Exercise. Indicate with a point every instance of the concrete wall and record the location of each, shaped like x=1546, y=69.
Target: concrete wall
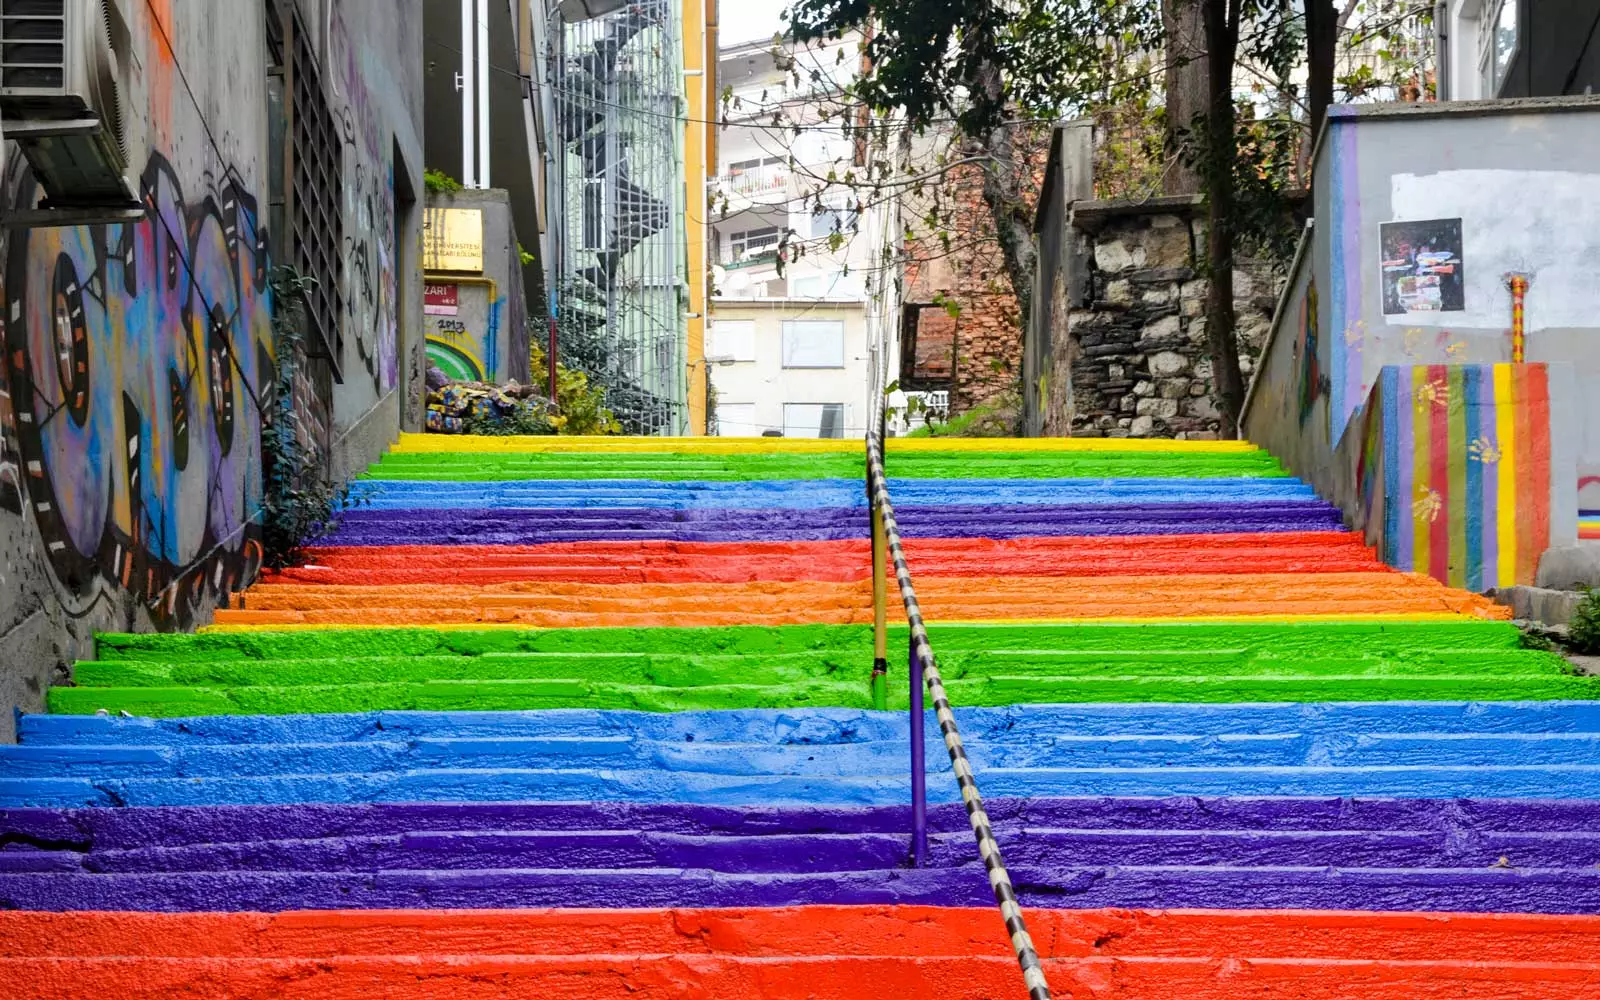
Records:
x=751, y=395
x=486, y=339
x=1522, y=178
x=515, y=155
x=373, y=72
x=130, y=467
x=1517, y=175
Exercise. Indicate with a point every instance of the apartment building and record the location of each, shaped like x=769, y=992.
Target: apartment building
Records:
x=800, y=287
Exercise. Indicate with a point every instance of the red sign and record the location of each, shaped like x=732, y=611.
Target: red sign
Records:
x=440, y=300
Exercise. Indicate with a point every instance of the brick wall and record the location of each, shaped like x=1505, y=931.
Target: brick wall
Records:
x=987, y=331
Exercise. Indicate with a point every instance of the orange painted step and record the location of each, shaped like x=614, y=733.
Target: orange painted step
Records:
x=950, y=599
x=841, y=561
x=817, y=953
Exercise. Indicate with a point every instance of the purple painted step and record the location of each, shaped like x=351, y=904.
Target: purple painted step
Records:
x=1315, y=853
x=512, y=527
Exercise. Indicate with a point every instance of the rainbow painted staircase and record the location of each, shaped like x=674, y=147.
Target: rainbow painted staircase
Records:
x=558, y=718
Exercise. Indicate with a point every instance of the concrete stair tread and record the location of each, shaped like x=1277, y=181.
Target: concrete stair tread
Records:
x=781, y=953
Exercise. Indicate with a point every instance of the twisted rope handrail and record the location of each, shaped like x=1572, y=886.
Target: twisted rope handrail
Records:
x=999, y=879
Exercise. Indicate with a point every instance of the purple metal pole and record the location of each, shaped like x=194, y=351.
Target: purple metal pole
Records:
x=919, y=768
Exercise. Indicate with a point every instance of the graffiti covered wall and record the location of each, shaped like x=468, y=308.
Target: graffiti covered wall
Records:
x=138, y=357
x=131, y=384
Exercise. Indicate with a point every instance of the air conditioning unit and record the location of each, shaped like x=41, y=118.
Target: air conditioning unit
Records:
x=63, y=100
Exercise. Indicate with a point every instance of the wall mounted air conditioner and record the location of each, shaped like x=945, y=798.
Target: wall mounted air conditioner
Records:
x=63, y=99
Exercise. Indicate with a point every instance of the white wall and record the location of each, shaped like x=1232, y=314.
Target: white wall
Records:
x=745, y=348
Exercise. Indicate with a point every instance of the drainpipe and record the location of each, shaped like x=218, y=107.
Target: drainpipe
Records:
x=1518, y=283
x=483, y=93
x=469, y=162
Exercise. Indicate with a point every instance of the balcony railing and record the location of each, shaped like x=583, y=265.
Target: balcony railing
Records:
x=754, y=183
x=750, y=258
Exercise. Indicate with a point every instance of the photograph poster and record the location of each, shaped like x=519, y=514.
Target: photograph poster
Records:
x=1421, y=266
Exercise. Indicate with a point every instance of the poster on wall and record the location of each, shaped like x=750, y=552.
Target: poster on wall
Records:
x=1422, y=266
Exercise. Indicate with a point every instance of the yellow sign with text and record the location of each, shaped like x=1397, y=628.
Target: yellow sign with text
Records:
x=452, y=239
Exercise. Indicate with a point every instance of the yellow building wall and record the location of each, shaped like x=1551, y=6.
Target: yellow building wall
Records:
x=700, y=159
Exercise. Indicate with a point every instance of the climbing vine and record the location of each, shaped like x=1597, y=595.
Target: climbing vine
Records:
x=298, y=505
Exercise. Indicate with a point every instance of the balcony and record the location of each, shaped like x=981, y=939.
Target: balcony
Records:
x=769, y=179
x=767, y=184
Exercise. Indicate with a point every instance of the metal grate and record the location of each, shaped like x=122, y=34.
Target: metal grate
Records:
x=315, y=219
x=33, y=51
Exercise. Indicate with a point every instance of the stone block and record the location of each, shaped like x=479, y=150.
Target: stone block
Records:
x=1112, y=256
x=1167, y=247
x=1142, y=427
x=1198, y=389
x=1169, y=363
x=1119, y=292
x=1174, y=388
x=1193, y=291
x=1201, y=407
x=1143, y=388
x=1160, y=329
x=1161, y=276
x=1159, y=407
x=1198, y=330
x=1128, y=403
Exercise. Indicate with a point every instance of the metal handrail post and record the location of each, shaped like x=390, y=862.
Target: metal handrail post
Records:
x=880, y=611
x=919, y=763
x=927, y=672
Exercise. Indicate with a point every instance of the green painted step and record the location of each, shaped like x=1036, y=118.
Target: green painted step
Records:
x=473, y=467
x=665, y=669
x=512, y=695
x=696, y=670
x=1386, y=638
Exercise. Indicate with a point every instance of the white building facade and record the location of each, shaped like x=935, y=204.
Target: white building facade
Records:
x=803, y=294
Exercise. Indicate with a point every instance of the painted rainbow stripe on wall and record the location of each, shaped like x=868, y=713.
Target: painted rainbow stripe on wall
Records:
x=1465, y=458
x=558, y=718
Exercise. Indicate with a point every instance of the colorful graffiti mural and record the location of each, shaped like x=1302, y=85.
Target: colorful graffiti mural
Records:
x=135, y=359
x=371, y=288
x=1455, y=471
x=1312, y=384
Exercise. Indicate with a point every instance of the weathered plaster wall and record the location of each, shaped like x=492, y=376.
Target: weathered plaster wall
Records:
x=373, y=64
x=1521, y=177
x=487, y=336
x=137, y=356
x=1512, y=172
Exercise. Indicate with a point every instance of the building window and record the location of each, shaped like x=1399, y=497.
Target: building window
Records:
x=732, y=340
x=1497, y=43
x=813, y=420
x=750, y=243
x=737, y=420
x=813, y=344
x=832, y=220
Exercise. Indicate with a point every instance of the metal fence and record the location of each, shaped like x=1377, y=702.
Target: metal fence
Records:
x=622, y=273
